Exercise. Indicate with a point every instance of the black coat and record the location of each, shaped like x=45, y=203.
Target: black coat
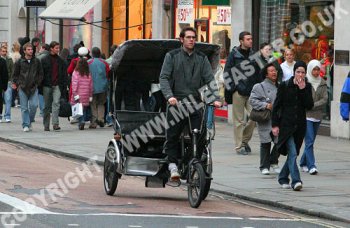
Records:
x=289, y=113
x=4, y=77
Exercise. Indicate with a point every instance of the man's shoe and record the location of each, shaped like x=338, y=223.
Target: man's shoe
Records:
x=313, y=171
x=7, y=120
x=285, y=186
x=46, y=128
x=241, y=151
x=265, y=172
x=92, y=126
x=247, y=148
x=304, y=169
x=81, y=127
x=174, y=175
x=26, y=129
x=276, y=168
x=56, y=127
x=101, y=123
x=298, y=186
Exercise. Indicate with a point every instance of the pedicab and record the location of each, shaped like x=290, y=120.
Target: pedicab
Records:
x=136, y=148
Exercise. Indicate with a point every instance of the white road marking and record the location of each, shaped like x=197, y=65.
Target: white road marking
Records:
x=11, y=225
x=134, y=226
x=282, y=219
x=191, y=226
x=25, y=207
x=73, y=224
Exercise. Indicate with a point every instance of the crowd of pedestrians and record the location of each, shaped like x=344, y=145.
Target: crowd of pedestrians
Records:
x=42, y=75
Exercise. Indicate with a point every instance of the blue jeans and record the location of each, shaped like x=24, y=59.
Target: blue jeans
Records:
x=28, y=107
x=84, y=116
x=308, y=158
x=41, y=104
x=210, y=117
x=290, y=166
x=8, y=101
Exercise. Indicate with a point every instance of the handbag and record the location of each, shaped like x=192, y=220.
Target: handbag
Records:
x=77, y=110
x=65, y=108
x=260, y=115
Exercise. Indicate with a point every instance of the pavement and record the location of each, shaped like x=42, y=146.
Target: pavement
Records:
x=326, y=195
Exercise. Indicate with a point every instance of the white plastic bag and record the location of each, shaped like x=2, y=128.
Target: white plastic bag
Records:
x=77, y=110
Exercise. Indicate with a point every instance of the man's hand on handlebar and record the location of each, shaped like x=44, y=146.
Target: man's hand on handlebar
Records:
x=217, y=104
x=172, y=101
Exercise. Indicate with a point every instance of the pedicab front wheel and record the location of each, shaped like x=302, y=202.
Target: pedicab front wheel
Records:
x=196, y=184
x=110, y=176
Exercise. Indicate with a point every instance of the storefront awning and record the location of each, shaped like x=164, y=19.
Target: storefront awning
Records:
x=68, y=9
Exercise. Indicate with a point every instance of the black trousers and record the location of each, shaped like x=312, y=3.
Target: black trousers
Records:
x=177, y=125
x=268, y=158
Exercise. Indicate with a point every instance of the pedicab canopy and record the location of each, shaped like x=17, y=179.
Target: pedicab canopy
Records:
x=143, y=59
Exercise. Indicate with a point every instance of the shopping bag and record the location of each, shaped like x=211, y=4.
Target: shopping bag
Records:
x=77, y=110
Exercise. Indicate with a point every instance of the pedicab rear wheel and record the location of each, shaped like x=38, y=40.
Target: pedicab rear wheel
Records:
x=110, y=176
x=206, y=188
x=196, y=184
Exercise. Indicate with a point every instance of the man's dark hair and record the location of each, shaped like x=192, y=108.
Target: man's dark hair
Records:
x=242, y=34
x=184, y=30
x=54, y=44
x=113, y=48
x=35, y=39
x=264, y=44
x=96, y=52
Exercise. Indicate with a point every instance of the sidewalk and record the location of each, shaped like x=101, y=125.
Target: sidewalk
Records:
x=326, y=195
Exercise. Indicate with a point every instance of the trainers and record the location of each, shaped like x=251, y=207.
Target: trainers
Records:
x=276, y=169
x=241, y=151
x=285, y=186
x=174, y=175
x=46, y=129
x=7, y=120
x=265, y=172
x=304, y=169
x=313, y=171
x=56, y=127
x=26, y=129
x=298, y=186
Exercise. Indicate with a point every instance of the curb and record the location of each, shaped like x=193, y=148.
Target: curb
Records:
x=240, y=196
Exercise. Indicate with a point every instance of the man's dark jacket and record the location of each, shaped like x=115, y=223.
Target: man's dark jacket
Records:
x=28, y=75
x=62, y=73
x=178, y=80
x=289, y=113
x=3, y=75
x=244, y=86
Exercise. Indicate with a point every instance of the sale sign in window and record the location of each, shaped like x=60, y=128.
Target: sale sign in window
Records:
x=185, y=11
x=224, y=15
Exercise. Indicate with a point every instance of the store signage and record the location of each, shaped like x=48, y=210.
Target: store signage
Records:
x=35, y=3
x=341, y=57
x=68, y=9
x=215, y=2
x=185, y=11
x=223, y=15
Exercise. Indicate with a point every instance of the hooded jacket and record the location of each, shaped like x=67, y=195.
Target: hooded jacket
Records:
x=345, y=99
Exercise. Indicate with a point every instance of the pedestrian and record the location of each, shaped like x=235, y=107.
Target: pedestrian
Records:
x=313, y=116
x=44, y=50
x=27, y=76
x=36, y=45
x=3, y=82
x=82, y=87
x=8, y=93
x=288, y=64
x=293, y=98
x=345, y=99
x=239, y=94
x=265, y=56
x=185, y=70
x=262, y=97
x=54, y=85
x=99, y=70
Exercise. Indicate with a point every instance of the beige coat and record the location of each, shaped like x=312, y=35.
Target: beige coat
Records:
x=320, y=97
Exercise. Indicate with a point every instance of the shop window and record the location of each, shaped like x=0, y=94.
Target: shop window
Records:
x=119, y=21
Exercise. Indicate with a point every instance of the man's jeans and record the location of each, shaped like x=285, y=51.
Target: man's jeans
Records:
x=52, y=97
x=28, y=107
x=8, y=101
x=290, y=166
x=308, y=158
x=41, y=104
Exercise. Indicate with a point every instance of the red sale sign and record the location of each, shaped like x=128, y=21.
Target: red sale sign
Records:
x=185, y=12
x=223, y=15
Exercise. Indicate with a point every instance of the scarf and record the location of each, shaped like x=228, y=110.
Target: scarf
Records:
x=314, y=81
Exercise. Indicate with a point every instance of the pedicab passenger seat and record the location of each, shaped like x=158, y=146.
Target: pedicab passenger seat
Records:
x=147, y=129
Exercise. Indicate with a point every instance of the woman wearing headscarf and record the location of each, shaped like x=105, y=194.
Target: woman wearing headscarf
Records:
x=293, y=98
x=313, y=116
